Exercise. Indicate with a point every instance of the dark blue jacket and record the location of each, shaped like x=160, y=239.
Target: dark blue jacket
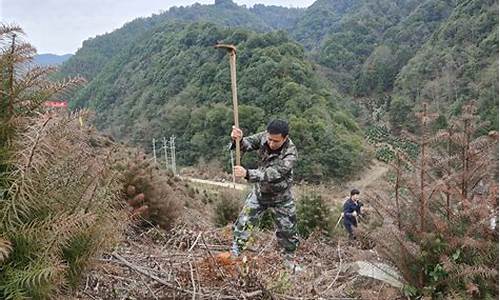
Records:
x=351, y=206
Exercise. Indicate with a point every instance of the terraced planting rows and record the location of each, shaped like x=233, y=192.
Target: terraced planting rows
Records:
x=386, y=143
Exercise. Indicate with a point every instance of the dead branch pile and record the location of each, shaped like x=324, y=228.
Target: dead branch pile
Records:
x=190, y=262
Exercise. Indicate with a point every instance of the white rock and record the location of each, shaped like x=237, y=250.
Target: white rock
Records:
x=379, y=271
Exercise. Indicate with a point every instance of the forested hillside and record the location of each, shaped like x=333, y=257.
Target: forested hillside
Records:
x=369, y=54
x=458, y=63
x=95, y=52
x=332, y=66
x=177, y=83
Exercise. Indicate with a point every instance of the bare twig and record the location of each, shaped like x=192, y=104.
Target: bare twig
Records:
x=194, y=243
x=266, y=246
x=213, y=258
x=192, y=280
x=308, y=298
x=149, y=288
x=87, y=294
x=140, y=270
x=338, y=271
x=171, y=286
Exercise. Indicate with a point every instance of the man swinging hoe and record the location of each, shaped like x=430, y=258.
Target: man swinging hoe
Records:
x=272, y=179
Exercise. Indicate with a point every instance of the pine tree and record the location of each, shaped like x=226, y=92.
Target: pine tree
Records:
x=445, y=239
x=58, y=190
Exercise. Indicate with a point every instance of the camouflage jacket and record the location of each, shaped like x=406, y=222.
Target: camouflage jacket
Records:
x=274, y=175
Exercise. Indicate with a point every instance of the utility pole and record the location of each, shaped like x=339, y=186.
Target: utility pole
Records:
x=165, y=151
x=154, y=150
x=172, y=154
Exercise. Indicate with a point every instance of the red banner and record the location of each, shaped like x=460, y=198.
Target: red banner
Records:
x=56, y=103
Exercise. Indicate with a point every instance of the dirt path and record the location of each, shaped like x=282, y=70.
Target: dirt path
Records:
x=375, y=172
x=231, y=185
x=368, y=180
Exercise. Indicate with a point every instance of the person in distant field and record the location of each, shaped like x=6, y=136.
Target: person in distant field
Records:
x=272, y=187
x=352, y=209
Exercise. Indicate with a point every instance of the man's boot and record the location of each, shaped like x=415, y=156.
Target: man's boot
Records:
x=290, y=262
x=235, y=250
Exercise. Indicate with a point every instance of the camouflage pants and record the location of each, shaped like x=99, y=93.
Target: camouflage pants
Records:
x=285, y=220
